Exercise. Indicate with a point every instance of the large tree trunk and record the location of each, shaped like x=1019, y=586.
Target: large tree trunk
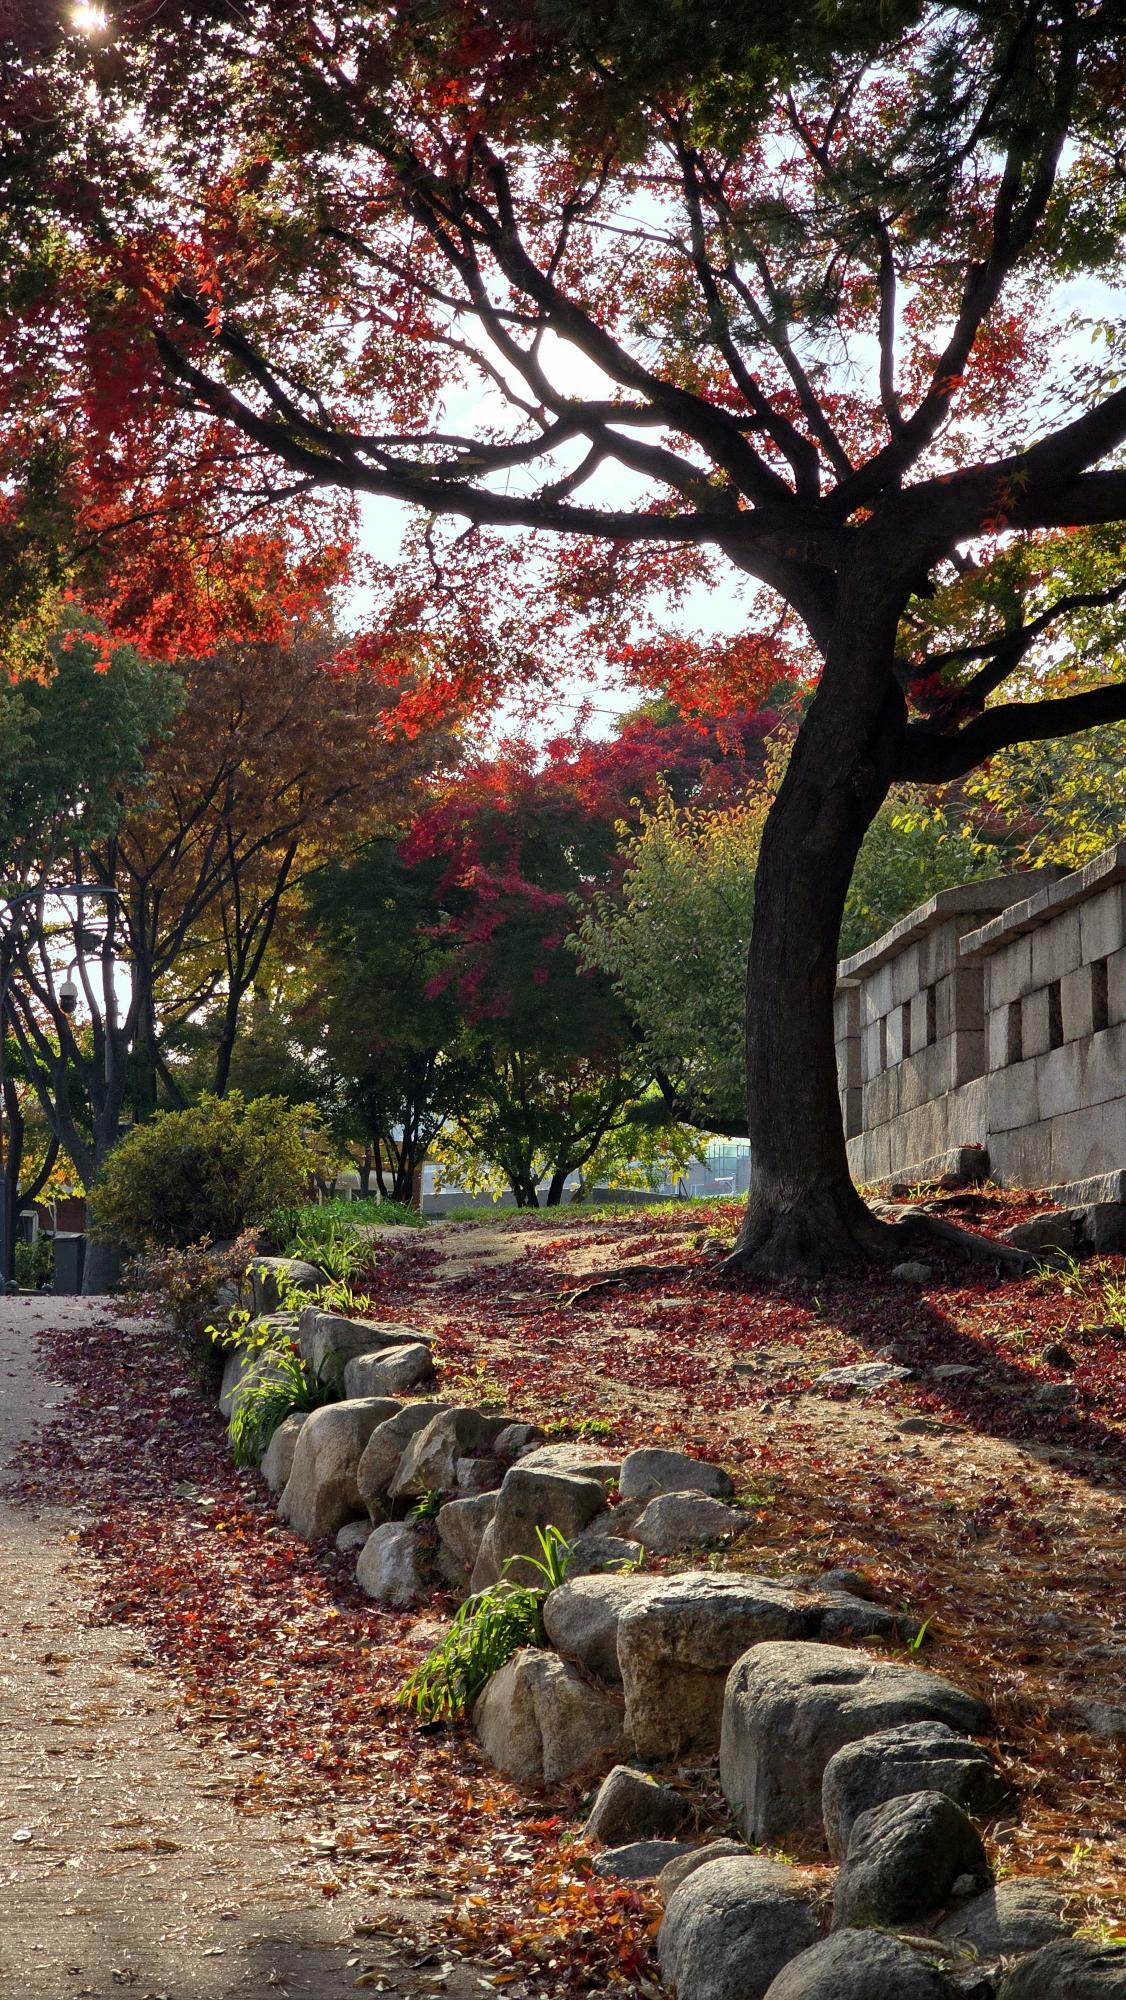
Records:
x=804, y=1216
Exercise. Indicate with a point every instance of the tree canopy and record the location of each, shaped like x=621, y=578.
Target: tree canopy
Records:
x=784, y=294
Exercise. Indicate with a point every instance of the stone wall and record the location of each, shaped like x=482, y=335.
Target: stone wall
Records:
x=994, y=1016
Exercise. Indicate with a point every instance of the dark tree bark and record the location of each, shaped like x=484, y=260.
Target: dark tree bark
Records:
x=804, y=1215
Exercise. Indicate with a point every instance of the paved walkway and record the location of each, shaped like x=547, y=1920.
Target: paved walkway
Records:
x=121, y=1866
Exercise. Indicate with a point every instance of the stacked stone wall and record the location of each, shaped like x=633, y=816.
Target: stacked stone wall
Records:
x=993, y=1016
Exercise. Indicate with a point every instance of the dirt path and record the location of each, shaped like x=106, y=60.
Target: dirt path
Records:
x=121, y=1866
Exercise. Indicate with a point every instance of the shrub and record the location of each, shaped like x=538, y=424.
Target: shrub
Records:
x=189, y=1285
x=487, y=1630
x=207, y=1172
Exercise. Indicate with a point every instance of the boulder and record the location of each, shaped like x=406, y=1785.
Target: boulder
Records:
x=581, y=1618
x=390, y=1371
x=353, y=1535
x=429, y=1462
x=268, y=1275
x=788, y=1708
x=462, y=1524
x=1017, y=1916
x=632, y=1806
x=646, y=1473
x=679, y=1870
x=592, y=1553
x=860, y=1965
x=532, y=1499
x=677, y=1644
x=585, y=1457
x=922, y=1757
x=330, y=1340
x=479, y=1475
x=731, y=1927
x=392, y=1566
x=903, y=1860
x=516, y=1441
x=683, y=1520
x=1075, y=1969
x=538, y=1720
x=1060, y=1229
x=385, y=1448
x=277, y=1459
x=322, y=1491
x=640, y=1861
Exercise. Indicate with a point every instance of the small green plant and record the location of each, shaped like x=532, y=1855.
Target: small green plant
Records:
x=478, y=1387
x=488, y=1629
x=554, y=1560
x=915, y=1645
x=1062, y=1272
x=586, y=1427
x=338, y=1250
x=427, y=1505
x=333, y=1296
x=284, y=1383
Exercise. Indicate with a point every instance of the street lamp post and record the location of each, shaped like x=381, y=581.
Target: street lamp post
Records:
x=14, y=901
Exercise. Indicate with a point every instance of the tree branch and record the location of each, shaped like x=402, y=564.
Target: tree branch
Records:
x=927, y=757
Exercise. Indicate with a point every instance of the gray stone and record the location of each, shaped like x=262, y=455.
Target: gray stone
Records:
x=1061, y=1230
x=683, y=1520
x=1103, y=1719
x=923, y=1756
x=429, y=1462
x=731, y=1927
x=353, y=1535
x=591, y=1553
x=863, y=1375
x=392, y=1566
x=516, y=1441
x=532, y=1499
x=322, y=1491
x=277, y=1459
x=539, y=1721
x=632, y=1806
x=1077, y=1969
x=646, y=1473
x=479, y=1475
x=640, y=1861
x=677, y=1643
x=330, y=1340
x=462, y=1524
x=1017, y=1916
x=860, y=1965
x=911, y=1272
x=788, y=1708
x=584, y=1457
x=385, y=1449
x=1097, y=1189
x=581, y=1618
x=268, y=1274
x=903, y=1860
x=390, y=1371
x=678, y=1871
